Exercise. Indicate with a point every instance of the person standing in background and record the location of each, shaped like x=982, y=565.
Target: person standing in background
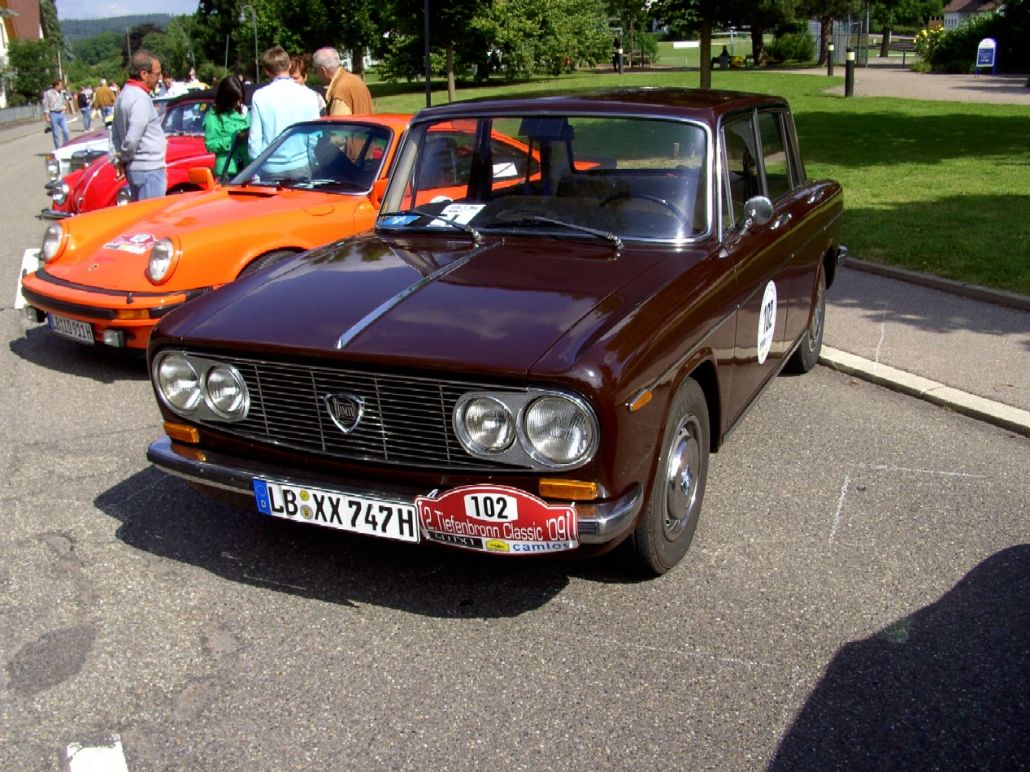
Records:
x=82, y=100
x=103, y=99
x=278, y=105
x=346, y=93
x=223, y=123
x=136, y=135
x=299, y=73
x=53, y=112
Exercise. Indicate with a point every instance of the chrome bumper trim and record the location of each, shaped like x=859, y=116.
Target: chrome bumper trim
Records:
x=608, y=520
x=53, y=214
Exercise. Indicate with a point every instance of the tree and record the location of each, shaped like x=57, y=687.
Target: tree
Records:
x=32, y=67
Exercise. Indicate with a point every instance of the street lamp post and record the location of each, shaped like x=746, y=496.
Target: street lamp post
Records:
x=253, y=19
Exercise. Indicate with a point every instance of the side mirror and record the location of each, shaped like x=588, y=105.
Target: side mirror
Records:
x=758, y=210
x=378, y=192
x=202, y=178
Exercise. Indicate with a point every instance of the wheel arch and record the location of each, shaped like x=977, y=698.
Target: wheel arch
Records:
x=706, y=376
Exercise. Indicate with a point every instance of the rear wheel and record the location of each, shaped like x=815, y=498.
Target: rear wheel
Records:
x=807, y=354
x=265, y=260
x=674, y=506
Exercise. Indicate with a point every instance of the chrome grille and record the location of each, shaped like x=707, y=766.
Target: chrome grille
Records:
x=406, y=422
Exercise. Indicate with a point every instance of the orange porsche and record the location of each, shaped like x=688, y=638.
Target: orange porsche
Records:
x=108, y=276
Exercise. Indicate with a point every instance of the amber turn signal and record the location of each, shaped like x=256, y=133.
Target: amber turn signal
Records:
x=640, y=399
x=132, y=313
x=181, y=433
x=570, y=490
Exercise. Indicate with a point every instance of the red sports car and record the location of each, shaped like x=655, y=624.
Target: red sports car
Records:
x=96, y=186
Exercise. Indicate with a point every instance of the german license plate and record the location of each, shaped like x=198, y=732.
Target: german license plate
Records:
x=344, y=512
x=71, y=328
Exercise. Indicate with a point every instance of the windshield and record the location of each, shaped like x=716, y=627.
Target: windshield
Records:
x=634, y=178
x=184, y=119
x=340, y=157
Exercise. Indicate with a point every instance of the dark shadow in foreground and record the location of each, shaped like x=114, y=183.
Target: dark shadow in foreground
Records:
x=947, y=688
x=164, y=516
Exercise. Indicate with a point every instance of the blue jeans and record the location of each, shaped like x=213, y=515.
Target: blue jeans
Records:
x=58, y=123
x=87, y=116
x=146, y=184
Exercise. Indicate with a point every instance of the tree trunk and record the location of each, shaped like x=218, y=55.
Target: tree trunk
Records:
x=706, y=52
x=825, y=36
x=758, y=45
x=885, y=42
x=450, y=72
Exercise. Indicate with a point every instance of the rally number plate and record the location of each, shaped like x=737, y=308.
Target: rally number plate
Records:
x=71, y=328
x=344, y=512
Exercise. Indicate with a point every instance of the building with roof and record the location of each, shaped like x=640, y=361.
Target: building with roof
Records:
x=19, y=20
x=958, y=11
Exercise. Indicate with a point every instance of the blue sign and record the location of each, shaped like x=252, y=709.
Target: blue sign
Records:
x=985, y=53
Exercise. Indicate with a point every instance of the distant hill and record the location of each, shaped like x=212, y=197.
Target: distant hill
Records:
x=80, y=29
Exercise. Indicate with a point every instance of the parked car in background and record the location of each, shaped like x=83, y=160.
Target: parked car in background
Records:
x=81, y=151
x=108, y=276
x=531, y=354
x=97, y=186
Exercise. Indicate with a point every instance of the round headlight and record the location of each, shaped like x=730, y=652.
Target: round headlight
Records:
x=59, y=193
x=488, y=425
x=560, y=431
x=123, y=196
x=162, y=259
x=226, y=392
x=53, y=168
x=178, y=383
x=52, y=241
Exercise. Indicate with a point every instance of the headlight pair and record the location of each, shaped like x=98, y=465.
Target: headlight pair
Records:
x=201, y=388
x=543, y=429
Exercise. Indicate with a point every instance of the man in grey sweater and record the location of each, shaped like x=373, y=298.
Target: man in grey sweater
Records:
x=137, y=137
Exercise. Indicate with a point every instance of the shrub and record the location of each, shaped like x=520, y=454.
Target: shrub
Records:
x=955, y=50
x=792, y=47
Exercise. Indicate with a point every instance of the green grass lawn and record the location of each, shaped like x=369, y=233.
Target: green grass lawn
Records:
x=938, y=187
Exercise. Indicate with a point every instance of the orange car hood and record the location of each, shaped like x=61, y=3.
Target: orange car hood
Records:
x=109, y=250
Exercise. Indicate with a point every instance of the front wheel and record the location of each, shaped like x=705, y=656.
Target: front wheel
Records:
x=807, y=354
x=674, y=506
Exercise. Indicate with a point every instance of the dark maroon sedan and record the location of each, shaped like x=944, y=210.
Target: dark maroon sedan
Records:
x=540, y=344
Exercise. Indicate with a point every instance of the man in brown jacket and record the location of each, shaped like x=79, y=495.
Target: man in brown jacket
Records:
x=103, y=99
x=346, y=93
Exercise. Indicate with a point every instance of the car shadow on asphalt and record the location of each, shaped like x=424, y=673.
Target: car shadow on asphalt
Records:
x=164, y=516
x=103, y=364
x=945, y=688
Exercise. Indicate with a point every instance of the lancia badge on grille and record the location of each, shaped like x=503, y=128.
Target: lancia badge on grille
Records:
x=346, y=410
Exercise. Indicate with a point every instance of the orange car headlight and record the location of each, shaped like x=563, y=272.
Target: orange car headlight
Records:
x=54, y=241
x=163, y=257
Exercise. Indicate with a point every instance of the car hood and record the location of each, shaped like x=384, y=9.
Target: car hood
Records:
x=112, y=245
x=498, y=307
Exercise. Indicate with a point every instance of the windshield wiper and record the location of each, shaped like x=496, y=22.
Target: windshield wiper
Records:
x=536, y=219
x=463, y=227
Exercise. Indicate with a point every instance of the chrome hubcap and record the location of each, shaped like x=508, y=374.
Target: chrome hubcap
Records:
x=681, y=477
x=815, y=329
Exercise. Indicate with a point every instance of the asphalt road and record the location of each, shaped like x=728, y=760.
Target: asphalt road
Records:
x=855, y=598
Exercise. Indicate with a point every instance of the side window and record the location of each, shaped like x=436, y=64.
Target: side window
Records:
x=742, y=177
x=774, y=155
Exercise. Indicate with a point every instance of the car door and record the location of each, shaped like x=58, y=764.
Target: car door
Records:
x=761, y=265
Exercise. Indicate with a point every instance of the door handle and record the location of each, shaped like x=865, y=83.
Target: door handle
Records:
x=780, y=221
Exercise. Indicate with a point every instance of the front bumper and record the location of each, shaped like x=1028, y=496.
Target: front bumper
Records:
x=599, y=522
x=54, y=214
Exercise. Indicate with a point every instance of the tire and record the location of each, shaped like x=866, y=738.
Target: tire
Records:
x=807, y=354
x=265, y=260
x=674, y=506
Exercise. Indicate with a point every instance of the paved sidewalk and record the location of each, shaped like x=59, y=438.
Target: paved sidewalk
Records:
x=963, y=353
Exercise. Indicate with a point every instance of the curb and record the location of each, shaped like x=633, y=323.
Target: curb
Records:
x=1005, y=416
x=973, y=291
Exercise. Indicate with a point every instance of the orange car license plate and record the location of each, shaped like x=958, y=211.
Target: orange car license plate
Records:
x=71, y=328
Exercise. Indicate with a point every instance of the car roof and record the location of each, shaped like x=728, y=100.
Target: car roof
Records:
x=699, y=104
